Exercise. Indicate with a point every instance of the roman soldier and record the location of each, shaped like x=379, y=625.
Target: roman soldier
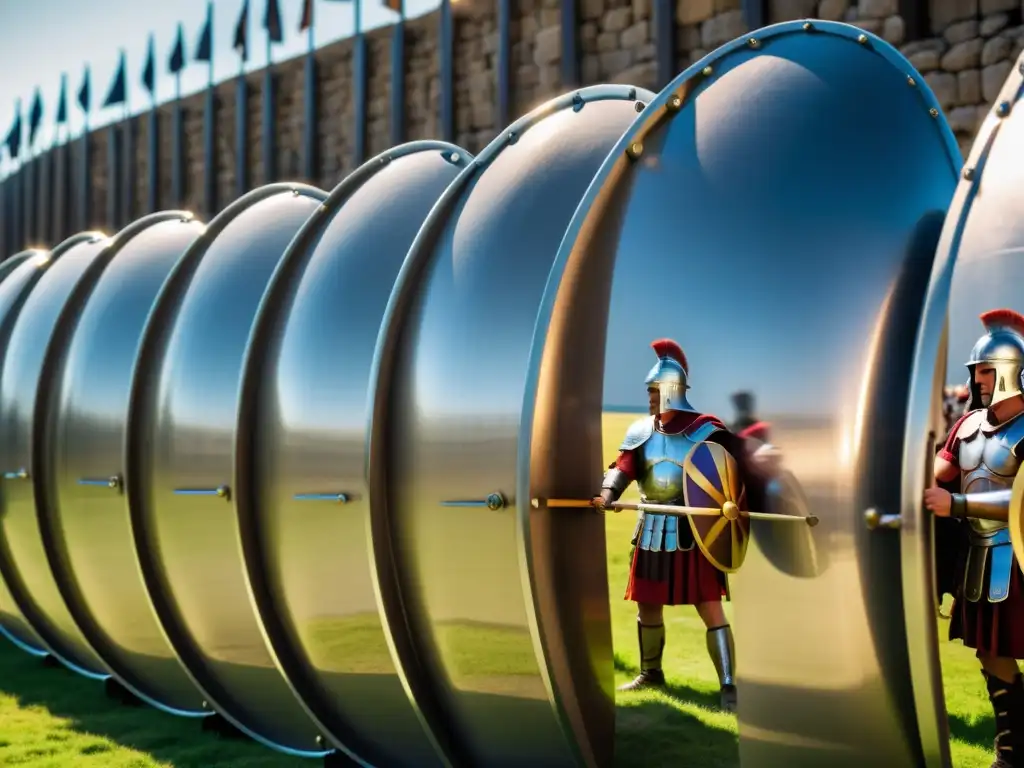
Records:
x=975, y=470
x=666, y=566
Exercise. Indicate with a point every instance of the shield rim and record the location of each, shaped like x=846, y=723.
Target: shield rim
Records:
x=610, y=177
x=287, y=274
x=148, y=357
x=918, y=571
x=742, y=522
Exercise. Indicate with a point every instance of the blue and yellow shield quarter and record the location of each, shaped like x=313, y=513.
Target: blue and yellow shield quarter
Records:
x=713, y=481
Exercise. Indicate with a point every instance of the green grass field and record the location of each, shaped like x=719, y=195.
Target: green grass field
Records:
x=51, y=718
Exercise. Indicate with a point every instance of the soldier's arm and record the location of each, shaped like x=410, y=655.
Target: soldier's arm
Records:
x=620, y=474
x=985, y=505
x=945, y=467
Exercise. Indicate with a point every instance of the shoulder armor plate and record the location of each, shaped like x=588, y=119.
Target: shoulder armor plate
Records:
x=1015, y=432
x=704, y=431
x=639, y=432
x=970, y=426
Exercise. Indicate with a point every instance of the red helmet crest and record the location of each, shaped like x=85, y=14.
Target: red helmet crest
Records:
x=670, y=349
x=1003, y=318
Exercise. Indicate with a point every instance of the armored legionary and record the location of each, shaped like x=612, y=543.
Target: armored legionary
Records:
x=983, y=451
x=667, y=568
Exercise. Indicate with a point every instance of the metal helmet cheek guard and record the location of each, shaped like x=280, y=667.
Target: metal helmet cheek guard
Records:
x=1002, y=348
x=669, y=376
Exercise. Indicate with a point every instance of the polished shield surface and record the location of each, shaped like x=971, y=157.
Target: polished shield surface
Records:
x=979, y=266
x=448, y=395
x=18, y=274
x=300, y=449
x=23, y=560
x=179, y=462
x=86, y=525
x=788, y=191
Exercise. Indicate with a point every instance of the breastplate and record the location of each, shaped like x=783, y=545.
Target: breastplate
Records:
x=663, y=457
x=987, y=463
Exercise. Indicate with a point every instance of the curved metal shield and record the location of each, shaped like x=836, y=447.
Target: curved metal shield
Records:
x=979, y=265
x=19, y=273
x=495, y=633
x=179, y=463
x=712, y=480
x=765, y=178
x=24, y=375
x=1016, y=518
x=83, y=408
x=299, y=451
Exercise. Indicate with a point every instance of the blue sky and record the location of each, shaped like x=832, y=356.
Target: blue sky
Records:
x=40, y=39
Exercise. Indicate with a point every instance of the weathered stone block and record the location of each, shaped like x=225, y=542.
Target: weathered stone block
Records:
x=996, y=49
x=945, y=12
x=943, y=85
x=968, y=85
x=694, y=11
x=992, y=79
x=924, y=61
x=995, y=6
x=617, y=19
x=548, y=46
x=963, y=55
x=787, y=10
x=722, y=28
x=615, y=61
x=894, y=30
x=962, y=119
x=635, y=36
x=641, y=75
x=607, y=41
x=961, y=31
x=994, y=23
x=877, y=9
x=833, y=10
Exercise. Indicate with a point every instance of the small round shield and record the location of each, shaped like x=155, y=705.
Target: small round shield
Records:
x=712, y=481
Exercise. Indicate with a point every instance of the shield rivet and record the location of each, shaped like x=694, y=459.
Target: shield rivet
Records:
x=634, y=150
x=495, y=501
x=753, y=42
x=862, y=39
x=968, y=173
x=808, y=26
x=911, y=82
x=674, y=104
x=639, y=106
x=708, y=71
x=1003, y=109
x=933, y=112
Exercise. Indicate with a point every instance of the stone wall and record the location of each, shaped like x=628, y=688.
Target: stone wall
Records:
x=969, y=52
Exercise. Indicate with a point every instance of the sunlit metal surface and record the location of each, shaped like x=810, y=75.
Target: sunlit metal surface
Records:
x=179, y=462
x=301, y=495
x=23, y=559
x=18, y=274
x=979, y=265
x=86, y=526
x=498, y=683
x=775, y=210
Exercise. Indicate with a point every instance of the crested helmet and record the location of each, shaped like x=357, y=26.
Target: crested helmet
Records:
x=1002, y=349
x=670, y=376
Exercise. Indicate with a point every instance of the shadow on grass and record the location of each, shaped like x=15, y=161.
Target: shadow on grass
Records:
x=657, y=728
x=55, y=716
x=978, y=732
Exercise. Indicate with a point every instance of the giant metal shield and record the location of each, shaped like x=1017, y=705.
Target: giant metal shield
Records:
x=83, y=402
x=498, y=656
x=712, y=480
x=179, y=463
x=796, y=180
x=979, y=265
x=19, y=273
x=23, y=560
x=299, y=452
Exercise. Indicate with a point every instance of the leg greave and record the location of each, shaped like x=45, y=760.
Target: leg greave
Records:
x=652, y=644
x=723, y=654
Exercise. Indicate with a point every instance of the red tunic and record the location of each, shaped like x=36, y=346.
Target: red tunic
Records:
x=680, y=577
x=992, y=629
